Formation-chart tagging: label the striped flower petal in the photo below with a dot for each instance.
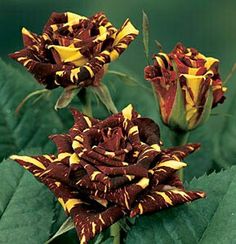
(73, 49)
(187, 85)
(108, 169)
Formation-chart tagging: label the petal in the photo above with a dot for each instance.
(43, 72)
(63, 143)
(89, 221)
(30, 38)
(180, 152)
(156, 200)
(126, 196)
(67, 55)
(149, 131)
(35, 164)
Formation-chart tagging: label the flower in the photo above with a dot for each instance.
(187, 85)
(106, 169)
(73, 49)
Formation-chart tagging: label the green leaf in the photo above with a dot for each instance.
(66, 97)
(26, 206)
(32, 125)
(145, 27)
(199, 222)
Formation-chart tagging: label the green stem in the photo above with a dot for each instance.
(115, 232)
(179, 138)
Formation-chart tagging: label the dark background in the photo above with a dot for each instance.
(203, 24)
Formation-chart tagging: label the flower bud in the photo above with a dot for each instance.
(187, 85)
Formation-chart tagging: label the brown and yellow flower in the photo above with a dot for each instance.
(187, 86)
(107, 169)
(73, 49)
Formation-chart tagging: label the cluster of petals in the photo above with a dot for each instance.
(73, 50)
(107, 169)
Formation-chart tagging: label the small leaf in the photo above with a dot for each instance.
(104, 96)
(66, 226)
(146, 35)
(66, 97)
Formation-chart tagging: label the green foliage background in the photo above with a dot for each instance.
(206, 25)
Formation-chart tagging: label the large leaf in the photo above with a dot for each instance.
(26, 206)
(32, 125)
(211, 220)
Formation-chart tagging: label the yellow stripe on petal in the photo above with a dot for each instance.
(69, 54)
(62, 156)
(94, 174)
(156, 147)
(160, 61)
(173, 164)
(75, 144)
(88, 121)
(210, 62)
(165, 197)
(71, 203)
(58, 184)
(74, 159)
(126, 29)
(28, 159)
(193, 71)
(114, 55)
(143, 183)
(194, 83)
(89, 70)
(73, 74)
(181, 193)
(72, 17)
(27, 33)
(60, 200)
(127, 112)
(77, 59)
(133, 130)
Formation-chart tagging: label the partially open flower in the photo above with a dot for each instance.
(187, 86)
(73, 49)
(107, 169)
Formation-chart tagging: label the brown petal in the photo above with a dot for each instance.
(156, 200)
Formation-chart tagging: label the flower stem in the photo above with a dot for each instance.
(115, 232)
(179, 138)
